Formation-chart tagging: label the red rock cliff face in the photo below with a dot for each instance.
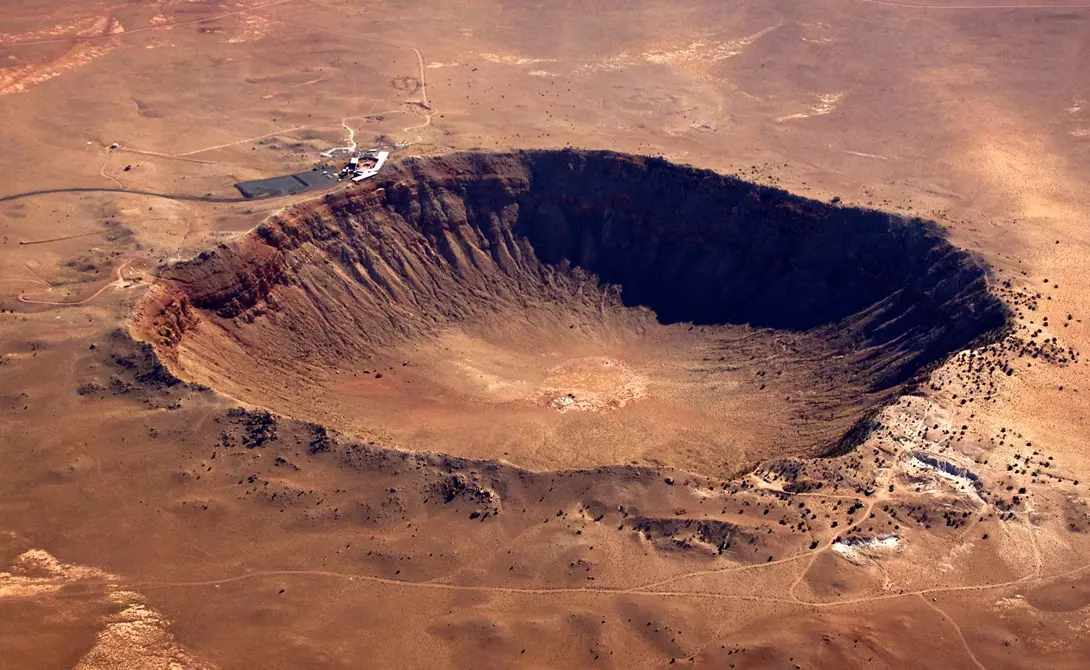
(434, 241)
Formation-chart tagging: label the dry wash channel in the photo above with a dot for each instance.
(570, 309)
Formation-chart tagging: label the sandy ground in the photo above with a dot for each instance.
(138, 530)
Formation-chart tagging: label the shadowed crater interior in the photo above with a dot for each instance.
(571, 309)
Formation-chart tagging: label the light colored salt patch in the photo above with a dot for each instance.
(1008, 603)
(514, 60)
(256, 27)
(24, 587)
(961, 483)
(542, 73)
(137, 638)
(37, 572)
(865, 155)
(494, 387)
(826, 104)
(815, 27)
(909, 424)
(1081, 132)
(845, 551)
(1076, 106)
(59, 30)
(857, 549)
(562, 402)
(767, 485)
(620, 61)
(910, 420)
(17, 80)
(706, 51)
(39, 563)
(98, 27)
(436, 65)
(593, 384)
(690, 52)
(1080, 629)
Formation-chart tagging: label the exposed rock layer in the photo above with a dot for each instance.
(848, 304)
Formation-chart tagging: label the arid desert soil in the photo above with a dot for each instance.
(735, 335)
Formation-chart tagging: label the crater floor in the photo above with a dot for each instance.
(573, 309)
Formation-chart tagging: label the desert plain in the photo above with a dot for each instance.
(725, 334)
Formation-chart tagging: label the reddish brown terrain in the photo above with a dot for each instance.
(741, 335)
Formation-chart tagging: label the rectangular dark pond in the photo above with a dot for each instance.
(285, 185)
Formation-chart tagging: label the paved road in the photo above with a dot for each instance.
(152, 194)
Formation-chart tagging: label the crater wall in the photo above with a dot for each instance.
(478, 276)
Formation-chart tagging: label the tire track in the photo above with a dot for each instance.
(957, 629)
(60, 303)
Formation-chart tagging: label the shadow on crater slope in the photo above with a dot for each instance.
(568, 309)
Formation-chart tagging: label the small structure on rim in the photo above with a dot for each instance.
(364, 165)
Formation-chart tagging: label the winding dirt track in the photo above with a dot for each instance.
(47, 287)
(601, 591)
(429, 110)
(957, 629)
(815, 554)
(102, 170)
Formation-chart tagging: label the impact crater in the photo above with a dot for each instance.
(568, 309)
